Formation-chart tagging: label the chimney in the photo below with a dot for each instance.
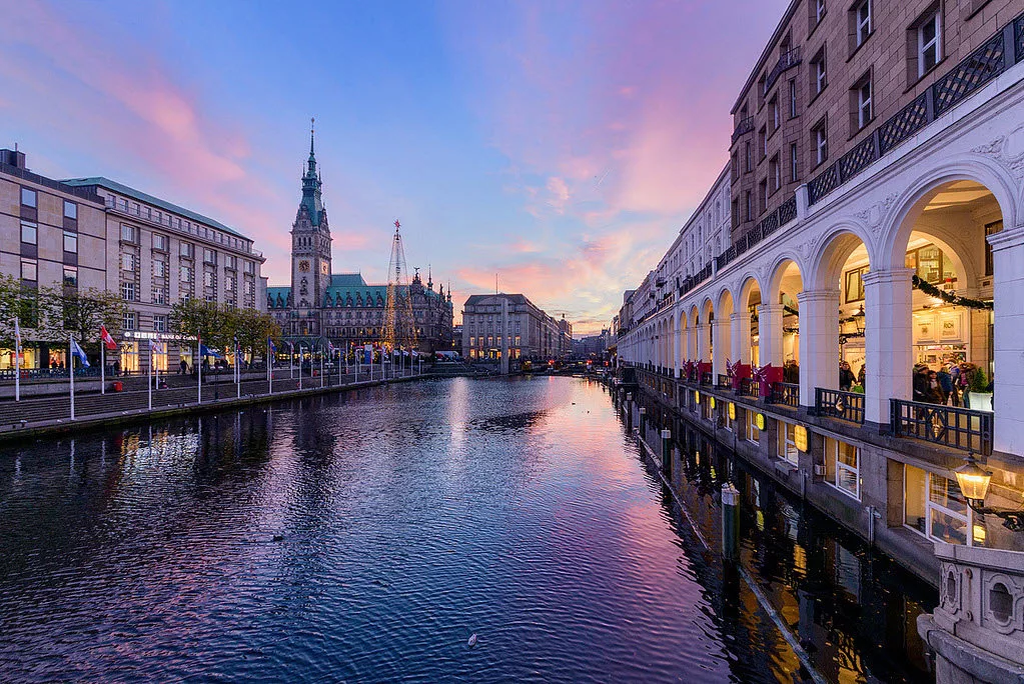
(12, 158)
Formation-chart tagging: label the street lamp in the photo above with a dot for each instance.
(974, 482)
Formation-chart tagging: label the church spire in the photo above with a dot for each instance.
(311, 182)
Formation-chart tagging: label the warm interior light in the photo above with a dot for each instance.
(974, 481)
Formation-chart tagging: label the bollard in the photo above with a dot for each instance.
(730, 522)
(643, 422)
(666, 452)
(629, 412)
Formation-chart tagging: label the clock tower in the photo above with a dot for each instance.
(311, 254)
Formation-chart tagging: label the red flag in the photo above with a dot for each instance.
(107, 338)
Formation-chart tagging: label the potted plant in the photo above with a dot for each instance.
(981, 398)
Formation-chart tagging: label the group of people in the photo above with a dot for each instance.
(847, 379)
(950, 384)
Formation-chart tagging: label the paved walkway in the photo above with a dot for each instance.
(34, 415)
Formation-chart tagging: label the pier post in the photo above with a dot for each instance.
(643, 422)
(730, 522)
(629, 411)
(666, 452)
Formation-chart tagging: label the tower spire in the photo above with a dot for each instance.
(312, 128)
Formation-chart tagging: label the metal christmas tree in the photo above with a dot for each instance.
(399, 322)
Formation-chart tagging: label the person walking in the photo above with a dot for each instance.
(846, 378)
(946, 385)
(935, 395)
(920, 384)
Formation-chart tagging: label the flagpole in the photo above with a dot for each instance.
(17, 359)
(238, 370)
(339, 366)
(291, 361)
(270, 370)
(321, 366)
(150, 383)
(300, 366)
(199, 364)
(71, 375)
(103, 367)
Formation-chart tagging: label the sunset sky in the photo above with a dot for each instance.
(560, 145)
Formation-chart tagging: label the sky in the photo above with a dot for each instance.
(558, 145)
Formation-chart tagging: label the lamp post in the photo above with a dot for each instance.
(974, 482)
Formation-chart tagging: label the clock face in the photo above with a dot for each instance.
(303, 265)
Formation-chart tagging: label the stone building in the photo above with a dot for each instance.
(877, 219)
(97, 233)
(532, 334)
(342, 307)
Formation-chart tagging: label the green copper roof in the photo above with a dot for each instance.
(119, 188)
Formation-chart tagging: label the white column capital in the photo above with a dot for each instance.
(892, 275)
(810, 296)
(1006, 239)
(743, 316)
(770, 308)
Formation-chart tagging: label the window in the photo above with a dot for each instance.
(128, 233)
(159, 268)
(185, 274)
(787, 450)
(750, 205)
(748, 162)
(230, 261)
(29, 233)
(28, 198)
(250, 267)
(818, 73)
(208, 279)
(28, 270)
(819, 11)
(127, 262)
(185, 249)
(934, 506)
(842, 466)
(71, 276)
(751, 432)
(775, 173)
(990, 229)
(229, 284)
(793, 159)
(819, 141)
(129, 292)
(792, 98)
(70, 242)
(159, 295)
(129, 320)
(160, 242)
(860, 99)
(861, 21)
(854, 284)
(929, 42)
(931, 264)
(160, 323)
(762, 195)
(774, 108)
(209, 256)
(763, 141)
(70, 210)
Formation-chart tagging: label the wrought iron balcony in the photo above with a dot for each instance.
(743, 126)
(958, 428)
(838, 404)
(787, 61)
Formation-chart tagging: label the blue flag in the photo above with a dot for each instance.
(77, 351)
(206, 351)
(273, 347)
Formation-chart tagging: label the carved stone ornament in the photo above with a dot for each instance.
(1007, 150)
(872, 216)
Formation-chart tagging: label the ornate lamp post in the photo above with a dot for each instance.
(974, 482)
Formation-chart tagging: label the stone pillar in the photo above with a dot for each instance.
(703, 342)
(739, 350)
(888, 340)
(769, 318)
(819, 342)
(1008, 289)
(677, 343)
(722, 348)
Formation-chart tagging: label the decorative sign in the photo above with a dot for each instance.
(800, 438)
(732, 411)
(950, 326)
(696, 397)
(925, 328)
(712, 402)
(759, 421)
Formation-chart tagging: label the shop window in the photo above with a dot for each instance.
(842, 466)
(935, 507)
(751, 431)
(930, 264)
(854, 284)
(787, 450)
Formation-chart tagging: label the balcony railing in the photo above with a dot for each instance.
(946, 425)
(787, 61)
(785, 394)
(724, 382)
(707, 378)
(750, 388)
(993, 57)
(743, 126)
(838, 404)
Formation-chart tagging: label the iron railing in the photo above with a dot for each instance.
(750, 388)
(743, 126)
(787, 60)
(838, 404)
(706, 378)
(785, 394)
(723, 381)
(950, 426)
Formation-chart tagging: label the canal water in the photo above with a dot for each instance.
(367, 536)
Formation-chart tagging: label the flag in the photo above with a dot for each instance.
(154, 347)
(206, 351)
(273, 347)
(77, 351)
(106, 338)
(330, 348)
(17, 337)
(291, 347)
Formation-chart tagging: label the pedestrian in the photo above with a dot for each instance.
(920, 384)
(117, 367)
(946, 385)
(183, 367)
(862, 375)
(846, 378)
(935, 395)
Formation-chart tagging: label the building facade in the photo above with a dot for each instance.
(320, 305)
(532, 334)
(100, 234)
(895, 243)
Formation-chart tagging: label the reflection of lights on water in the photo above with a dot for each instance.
(979, 534)
(714, 475)
(760, 521)
(799, 557)
(696, 457)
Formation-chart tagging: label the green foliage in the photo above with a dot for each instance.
(219, 324)
(18, 302)
(254, 329)
(979, 381)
